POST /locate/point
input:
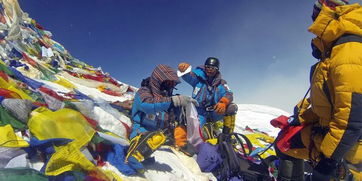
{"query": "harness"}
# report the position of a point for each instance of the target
(208, 104)
(346, 38)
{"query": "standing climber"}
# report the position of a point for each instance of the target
(332, 136)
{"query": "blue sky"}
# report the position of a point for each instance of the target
(264, 45)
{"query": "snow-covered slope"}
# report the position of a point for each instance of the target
(38, 72)
(171, 167)
(257, 117)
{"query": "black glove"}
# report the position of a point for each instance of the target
(325, 170)
(293, 120)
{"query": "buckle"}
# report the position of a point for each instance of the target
(209, 109)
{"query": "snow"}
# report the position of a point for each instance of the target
(170, 167)
(257, 117)
(169, 164)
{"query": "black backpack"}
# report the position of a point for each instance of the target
(236, 166)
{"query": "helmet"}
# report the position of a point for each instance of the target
(212, 62)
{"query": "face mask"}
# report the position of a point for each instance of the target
(167, 87)
(316, 52)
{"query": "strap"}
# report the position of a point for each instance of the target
(356, 167)
(348, 38)
(248, 143)
(182, 116)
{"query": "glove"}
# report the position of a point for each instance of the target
(220, 107)
(183, 66)
(293, 121)
(325, 170)
(182, 101)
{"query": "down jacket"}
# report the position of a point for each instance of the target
(150, 109)
(336, 82)
(207, 93)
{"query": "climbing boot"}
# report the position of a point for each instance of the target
(143, 145)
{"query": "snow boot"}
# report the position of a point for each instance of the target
(143, 145)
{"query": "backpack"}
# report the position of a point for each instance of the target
(208, 157)
(233, 165)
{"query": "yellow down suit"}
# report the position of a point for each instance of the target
(334, 117)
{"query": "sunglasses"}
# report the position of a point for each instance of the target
(211, 67)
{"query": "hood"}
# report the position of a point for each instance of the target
(160, 74)
(331, 24)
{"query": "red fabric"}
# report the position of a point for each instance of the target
(51, 93)
(285, 135)
(247, 128)
(9, 94)
(102, 148)
(29, 60)
(40, 104)
(96, 78)
(2, 18)
(128, 129)
(72, 73)
(114, 82)
(92, 122)
(280, 122)
(42, 43)
(98, 73)
(4, 76)
(39, 26)
(333, 4)
(100, 161)
(70, 95)
(112, 93)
